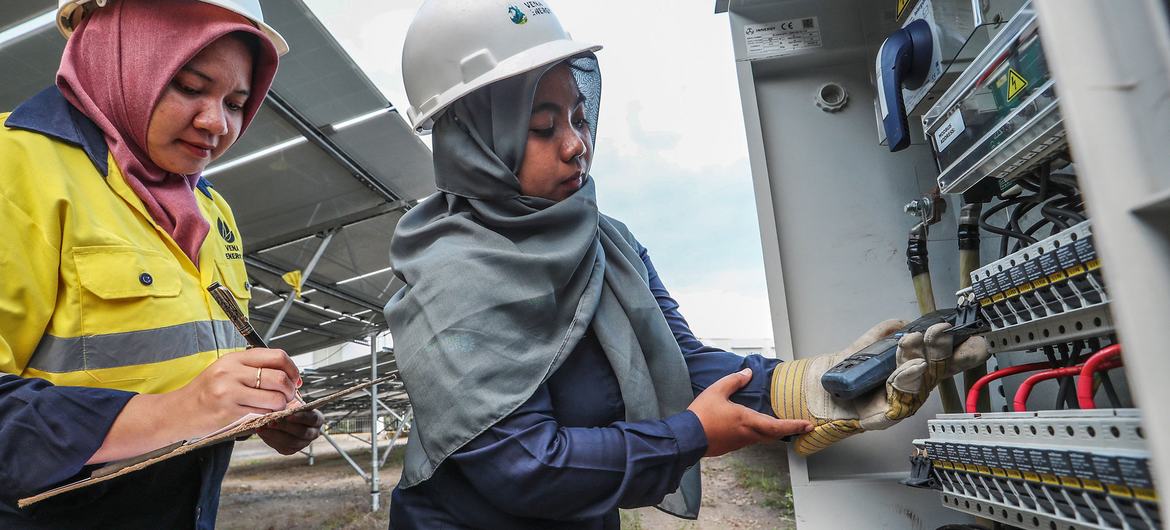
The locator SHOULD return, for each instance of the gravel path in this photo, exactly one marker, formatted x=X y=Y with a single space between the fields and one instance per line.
x=264 y=490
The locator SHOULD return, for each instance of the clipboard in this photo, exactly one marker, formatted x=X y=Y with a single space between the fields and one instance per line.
x=136 y=463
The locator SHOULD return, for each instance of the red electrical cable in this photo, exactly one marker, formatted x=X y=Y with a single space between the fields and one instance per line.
x=1020 y=403
x=1097 y=362
x=977 y=388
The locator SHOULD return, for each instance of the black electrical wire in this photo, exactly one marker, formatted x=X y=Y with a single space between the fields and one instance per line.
x=1053 y=217
x=1068 y=387
x=1056 y=211
x=1013 y=225
x=1054 y=227
x=1056 y=362
x=1064 y=184
x=984 y=224
x=1110 y=391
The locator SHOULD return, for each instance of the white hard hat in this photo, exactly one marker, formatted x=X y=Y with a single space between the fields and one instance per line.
x=70 y=13
x=454 y=47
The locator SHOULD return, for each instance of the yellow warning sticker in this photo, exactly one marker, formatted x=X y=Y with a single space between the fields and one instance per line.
x=902 y=5
x=1093 y=485
x=1016 y=84
x=1118 y=491
x=1145 y=494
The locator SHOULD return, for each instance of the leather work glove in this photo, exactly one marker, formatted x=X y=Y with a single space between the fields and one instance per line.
x=923 y=360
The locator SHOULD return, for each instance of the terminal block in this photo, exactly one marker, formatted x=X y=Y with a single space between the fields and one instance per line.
x=1047 y=293
x=1067 y=470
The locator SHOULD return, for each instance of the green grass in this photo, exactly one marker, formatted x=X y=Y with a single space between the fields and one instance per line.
x=777 y=494
x=631 y=520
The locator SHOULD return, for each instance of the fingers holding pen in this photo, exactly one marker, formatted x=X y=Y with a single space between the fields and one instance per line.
x=270 y=380
x=269 y=358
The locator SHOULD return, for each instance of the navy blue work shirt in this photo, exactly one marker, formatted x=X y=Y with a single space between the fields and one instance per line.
x=566 y=458
x=48 y=432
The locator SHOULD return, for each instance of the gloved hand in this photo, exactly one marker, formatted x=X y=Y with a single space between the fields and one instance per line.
x=923 y=360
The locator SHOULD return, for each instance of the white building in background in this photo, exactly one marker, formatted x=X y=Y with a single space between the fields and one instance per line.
x=341 y=352
x=761 y=346
x=350 y=350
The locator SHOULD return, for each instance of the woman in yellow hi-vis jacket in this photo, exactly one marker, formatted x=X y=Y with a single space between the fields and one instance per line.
x=110 y=345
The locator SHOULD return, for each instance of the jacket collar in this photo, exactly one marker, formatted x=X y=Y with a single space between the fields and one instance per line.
x=50 y=114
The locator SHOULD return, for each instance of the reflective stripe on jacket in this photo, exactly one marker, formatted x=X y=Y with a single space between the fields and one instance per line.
x=94 y=292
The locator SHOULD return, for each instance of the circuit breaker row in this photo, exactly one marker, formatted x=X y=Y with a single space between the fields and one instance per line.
x=1047 y=293
x=1056 y=469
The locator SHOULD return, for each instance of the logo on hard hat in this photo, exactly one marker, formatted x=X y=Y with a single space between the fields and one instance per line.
x=518 y=16
x=224 y=231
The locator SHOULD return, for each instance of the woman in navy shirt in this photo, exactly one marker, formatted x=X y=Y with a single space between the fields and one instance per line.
x=552 y=376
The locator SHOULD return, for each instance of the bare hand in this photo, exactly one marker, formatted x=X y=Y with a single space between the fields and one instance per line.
x=730 y=426
x=228 y=389
x=219 y=395
x=294 y=432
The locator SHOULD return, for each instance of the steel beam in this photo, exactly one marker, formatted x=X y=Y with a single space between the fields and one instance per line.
x=266 y=266
x=318 y=138
x=288 y=302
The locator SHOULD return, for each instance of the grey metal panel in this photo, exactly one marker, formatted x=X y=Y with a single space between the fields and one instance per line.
x=834 y=239
x=317 y=76
x=390 y=150
x=1111 y=61
x=843 y=234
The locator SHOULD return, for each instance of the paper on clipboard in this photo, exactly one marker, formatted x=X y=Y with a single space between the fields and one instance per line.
x=241 y=427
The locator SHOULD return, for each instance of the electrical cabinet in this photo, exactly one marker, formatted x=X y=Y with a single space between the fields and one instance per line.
x=1049 y=139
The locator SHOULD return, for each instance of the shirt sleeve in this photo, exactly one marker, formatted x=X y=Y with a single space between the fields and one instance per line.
x=708 y=364
x=530 y=466
x=47 y=433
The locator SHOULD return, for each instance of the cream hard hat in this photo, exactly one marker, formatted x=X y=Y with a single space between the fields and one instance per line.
x=70 y=13
x=454 y=47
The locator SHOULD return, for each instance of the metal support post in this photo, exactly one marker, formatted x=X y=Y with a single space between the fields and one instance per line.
x=402 y=424
x=346 y=456
x=385 y=407
x=374 y=486
x=304 y=276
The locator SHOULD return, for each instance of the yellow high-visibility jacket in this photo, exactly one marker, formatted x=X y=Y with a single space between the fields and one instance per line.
x=92 y=291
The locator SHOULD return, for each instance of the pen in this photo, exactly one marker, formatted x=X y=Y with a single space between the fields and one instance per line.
x=227 y=302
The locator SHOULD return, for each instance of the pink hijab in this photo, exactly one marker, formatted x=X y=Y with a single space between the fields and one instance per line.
x=114 y=70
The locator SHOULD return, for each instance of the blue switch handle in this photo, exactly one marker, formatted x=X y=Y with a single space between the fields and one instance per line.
x=903 y=62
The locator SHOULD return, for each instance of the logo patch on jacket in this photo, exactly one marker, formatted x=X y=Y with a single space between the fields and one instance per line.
x=232 y=251
x=224 y=231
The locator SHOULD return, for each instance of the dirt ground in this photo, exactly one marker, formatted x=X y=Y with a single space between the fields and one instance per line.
x=264 y=490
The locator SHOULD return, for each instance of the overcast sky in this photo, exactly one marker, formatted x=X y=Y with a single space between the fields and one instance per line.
x=671 y=156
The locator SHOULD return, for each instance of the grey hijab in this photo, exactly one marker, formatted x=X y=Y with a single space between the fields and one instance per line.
x=501 y=287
